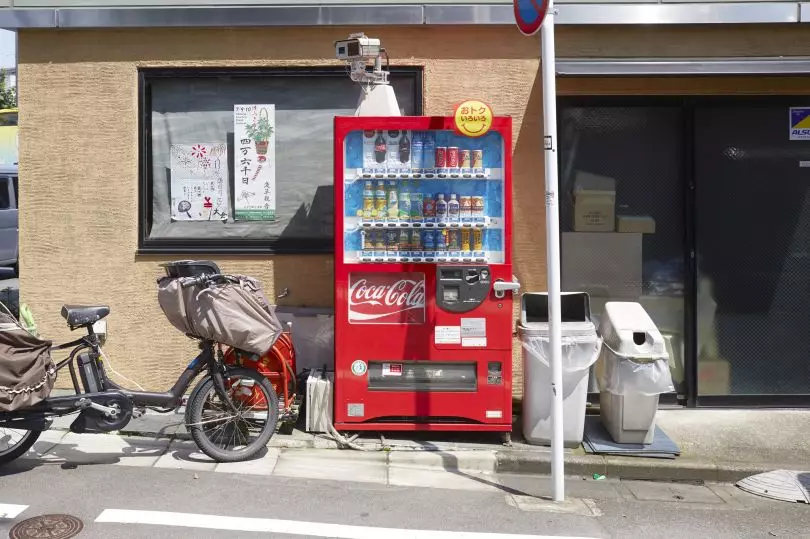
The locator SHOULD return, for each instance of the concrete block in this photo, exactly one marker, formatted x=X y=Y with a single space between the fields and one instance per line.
x=408 y=476
x=106 y=449
x=333 y=464
x=264 y=465
x=652 y=469
x=185 y=456
x=468 y=461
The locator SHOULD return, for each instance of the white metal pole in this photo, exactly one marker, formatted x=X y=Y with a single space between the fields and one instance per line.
x=549 y=73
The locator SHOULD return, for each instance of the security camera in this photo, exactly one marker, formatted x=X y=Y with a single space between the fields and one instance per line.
x=357 y=47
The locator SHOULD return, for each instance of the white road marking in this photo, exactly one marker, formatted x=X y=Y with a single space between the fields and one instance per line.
x=9 y=510
x=292 y=527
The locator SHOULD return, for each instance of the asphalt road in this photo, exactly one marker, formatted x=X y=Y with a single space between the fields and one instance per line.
x=346 y=509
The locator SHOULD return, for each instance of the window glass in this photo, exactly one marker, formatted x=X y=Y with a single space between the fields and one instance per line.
x=191 y=118
x=5 y=195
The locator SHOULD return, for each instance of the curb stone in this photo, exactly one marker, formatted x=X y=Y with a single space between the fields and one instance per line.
x=535 y=462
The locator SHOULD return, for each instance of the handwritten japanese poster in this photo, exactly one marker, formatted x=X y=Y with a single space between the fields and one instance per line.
x=255 y=162
x=199 y=182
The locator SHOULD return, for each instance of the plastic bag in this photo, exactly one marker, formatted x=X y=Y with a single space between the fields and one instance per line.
x=578 y=353
x=622 y=376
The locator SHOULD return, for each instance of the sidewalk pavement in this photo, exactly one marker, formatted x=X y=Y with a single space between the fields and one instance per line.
x=716 y=445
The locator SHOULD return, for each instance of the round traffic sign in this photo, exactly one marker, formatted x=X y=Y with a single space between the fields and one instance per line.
x=529 y=15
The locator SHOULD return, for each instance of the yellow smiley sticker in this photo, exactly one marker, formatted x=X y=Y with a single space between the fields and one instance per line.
x=473 y=118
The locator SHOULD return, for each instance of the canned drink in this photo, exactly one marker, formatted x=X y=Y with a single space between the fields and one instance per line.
x=429 y=241
x=478 y=161
x=441 y=240
x=465 y=203
x=379 y=240
x=465 y=239
x=453 y=243
x=417 y=206
x=477 y=208
x=465 y=161
x=452 y=159
x=441 y=157
x=478 y=239
x=392 y=240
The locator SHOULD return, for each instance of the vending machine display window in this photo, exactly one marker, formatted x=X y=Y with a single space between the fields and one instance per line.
x=423 y=196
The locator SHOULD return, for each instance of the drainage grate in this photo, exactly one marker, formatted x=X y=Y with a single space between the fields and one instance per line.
x=47 y=527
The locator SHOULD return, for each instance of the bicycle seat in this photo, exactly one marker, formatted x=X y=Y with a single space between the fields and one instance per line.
x=78 y=316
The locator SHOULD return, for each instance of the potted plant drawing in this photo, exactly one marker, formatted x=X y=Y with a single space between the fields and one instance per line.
x=260 y=131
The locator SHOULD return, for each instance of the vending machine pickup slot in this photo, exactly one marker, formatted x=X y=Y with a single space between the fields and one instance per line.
x=460 y=289
x=422 y=376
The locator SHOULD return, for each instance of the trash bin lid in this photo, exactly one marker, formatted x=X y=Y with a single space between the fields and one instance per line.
x=569 y=329
x=629 y=332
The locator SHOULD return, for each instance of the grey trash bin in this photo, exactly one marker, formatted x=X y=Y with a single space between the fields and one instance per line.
x=632 y=371
x=580 y=349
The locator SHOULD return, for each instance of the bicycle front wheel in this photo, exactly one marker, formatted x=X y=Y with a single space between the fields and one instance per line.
x=228 y=435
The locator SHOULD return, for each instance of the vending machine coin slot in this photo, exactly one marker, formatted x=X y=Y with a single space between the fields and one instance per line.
x=460 y=289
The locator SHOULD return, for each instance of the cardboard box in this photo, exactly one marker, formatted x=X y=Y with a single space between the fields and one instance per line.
x=594 y=203
x=643 y=224
x=603 y=264
x=714 y=377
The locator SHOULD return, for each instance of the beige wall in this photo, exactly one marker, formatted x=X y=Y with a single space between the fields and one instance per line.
x=79 y=149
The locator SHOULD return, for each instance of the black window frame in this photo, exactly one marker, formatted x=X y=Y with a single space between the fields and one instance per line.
x=227 y=246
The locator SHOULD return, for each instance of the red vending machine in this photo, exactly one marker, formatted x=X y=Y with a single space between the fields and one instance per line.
x=423 y=275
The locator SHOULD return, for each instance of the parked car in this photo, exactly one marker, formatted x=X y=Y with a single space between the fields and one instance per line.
x=9 y=224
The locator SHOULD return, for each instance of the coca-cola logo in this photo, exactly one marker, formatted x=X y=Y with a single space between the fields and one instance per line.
x=387 y=298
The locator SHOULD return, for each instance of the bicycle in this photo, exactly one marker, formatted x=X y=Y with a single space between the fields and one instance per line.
x=222 y=413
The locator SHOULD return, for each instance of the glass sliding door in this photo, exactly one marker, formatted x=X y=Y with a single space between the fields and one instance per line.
x=622 y=210
x=753 y=248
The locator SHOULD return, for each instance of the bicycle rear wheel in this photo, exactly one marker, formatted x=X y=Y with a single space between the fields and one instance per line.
x=232 y=436
x=14 y=443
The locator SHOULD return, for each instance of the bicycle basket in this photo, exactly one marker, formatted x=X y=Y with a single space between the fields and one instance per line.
x=27 y=373
x=234 y=314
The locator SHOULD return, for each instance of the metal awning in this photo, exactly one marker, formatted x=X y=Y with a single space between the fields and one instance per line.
x=402 y=14
x=623 y=67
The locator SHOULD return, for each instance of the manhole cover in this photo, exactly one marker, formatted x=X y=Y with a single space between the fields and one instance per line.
x=47 y=527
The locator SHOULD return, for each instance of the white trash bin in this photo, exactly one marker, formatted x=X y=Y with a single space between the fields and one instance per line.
x=632 y=371
x=580 y=350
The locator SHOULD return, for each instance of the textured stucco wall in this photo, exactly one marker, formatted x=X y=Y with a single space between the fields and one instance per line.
x=79 y=149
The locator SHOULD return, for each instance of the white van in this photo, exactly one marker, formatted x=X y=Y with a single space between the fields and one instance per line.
x=8 y=216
